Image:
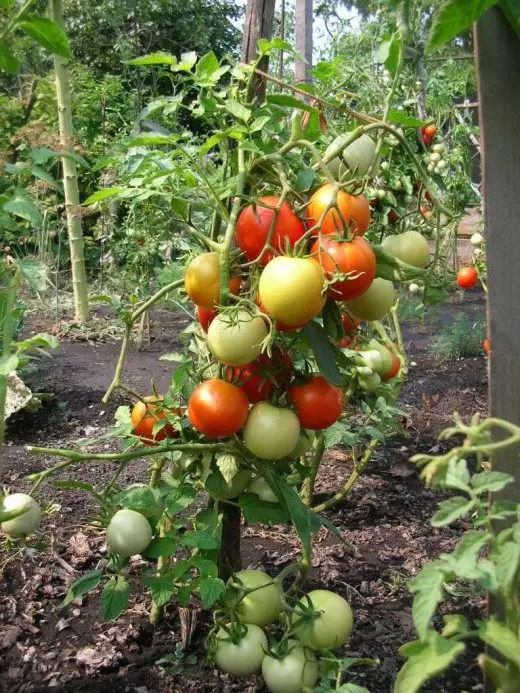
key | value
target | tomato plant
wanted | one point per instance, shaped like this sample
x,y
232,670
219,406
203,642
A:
x,y
262,377
243,657
293,672
128,533
146,417
217,409
354,259
334,212
318,404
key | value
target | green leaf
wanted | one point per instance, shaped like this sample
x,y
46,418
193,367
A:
x,y
78,485
304,180
391,268
427,588
211,589
161,586
102,194
457,475
8,63
114,597
153,59
265,46
454,624
259,511
161,546
425,660
490,481
42,340
8,364
401,118
300,513
259,123
42,174
199,540
289,102
186,62
332,321
324,352
25,208
34,274
228,466
498,635
454,17
139,498
451,509
511,9
207,64
507,564
47,33
238,110
83,585
180,499
392,50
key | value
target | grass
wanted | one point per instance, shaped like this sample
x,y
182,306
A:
x,y
462,339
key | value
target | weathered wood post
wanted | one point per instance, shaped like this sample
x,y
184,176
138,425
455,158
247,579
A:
x,y
258,23
303,40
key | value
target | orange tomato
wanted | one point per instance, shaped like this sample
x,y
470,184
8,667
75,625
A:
x,y
354,257
486,346
217,408
145,416
352,212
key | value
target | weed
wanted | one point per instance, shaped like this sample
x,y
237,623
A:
x,y
461,339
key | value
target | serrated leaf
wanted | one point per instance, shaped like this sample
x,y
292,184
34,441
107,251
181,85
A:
x,y
304,180
199,540
180,499
103,194
334,434
256,510
452,18
324,352
207,64
238,110
8,62
25,208
427,588
507,563
161,587
78,485
47,33
161,546
498,635
454,624
83,585
42,340
42,174
451,509
457,475
211,589
289,102
428,659
153,59
228,467
401,118
34,273
259,123
490,481
139,498
114,597
265,45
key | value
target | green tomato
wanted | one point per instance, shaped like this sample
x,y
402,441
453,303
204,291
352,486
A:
x,y
262,489
236,340
262,606
243,658
128,533
386,357
370,381
295,672
476,239
271,432
375,302
357,157
410,247
238,484
373,360
25,523
333,625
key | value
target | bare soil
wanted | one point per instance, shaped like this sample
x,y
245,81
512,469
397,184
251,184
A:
x,y
384,524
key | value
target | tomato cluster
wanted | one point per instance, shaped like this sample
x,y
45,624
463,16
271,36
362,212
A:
x,y
320,620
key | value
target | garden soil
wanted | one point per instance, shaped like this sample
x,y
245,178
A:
x,y
384,525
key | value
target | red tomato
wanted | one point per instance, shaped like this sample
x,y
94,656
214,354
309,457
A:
x,y
218,409
486,346
395,368
262,377
352,212
318,404
354,257
145,416
205,317
254,223
467,277
350,326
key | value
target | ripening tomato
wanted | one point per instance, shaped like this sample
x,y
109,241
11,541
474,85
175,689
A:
x,y
333,625
390,363
291,289
144,417
375,302
467,277
280,326
236,339
217,409
205,317
202,281
355,258
395,368
262,377
351,212
254,224
318,403
486,346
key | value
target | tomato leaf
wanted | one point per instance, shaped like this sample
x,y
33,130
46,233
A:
x,y
324,352
47,33
8,62
490,481
401,118
140,499
454,17
501,639
199,540
228,467
161,546
83,585
211,589
451,509
427,588
289,102
180,499
256,510
161,587
114,597
332,321
426,660
304,180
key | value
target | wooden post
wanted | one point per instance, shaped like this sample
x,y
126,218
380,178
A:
x,y
498,64
303,40
258,24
